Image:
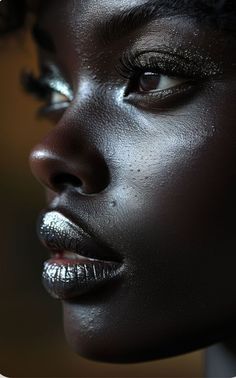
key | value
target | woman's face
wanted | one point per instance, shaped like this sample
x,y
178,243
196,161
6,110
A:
x,y
142,156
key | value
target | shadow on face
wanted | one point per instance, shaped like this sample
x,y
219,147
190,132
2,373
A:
x,y
141,158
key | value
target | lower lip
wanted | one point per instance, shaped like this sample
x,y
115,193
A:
x,y
70,278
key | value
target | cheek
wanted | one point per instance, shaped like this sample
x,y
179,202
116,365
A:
x,y
172,219
180,187
177,173
177,219
175,204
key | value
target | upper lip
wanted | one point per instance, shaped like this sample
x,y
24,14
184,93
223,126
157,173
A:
x,y
58,233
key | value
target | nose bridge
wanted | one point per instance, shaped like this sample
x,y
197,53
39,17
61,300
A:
x,y
71,155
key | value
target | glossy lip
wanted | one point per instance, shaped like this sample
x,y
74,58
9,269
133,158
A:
x,y
78,264
58,233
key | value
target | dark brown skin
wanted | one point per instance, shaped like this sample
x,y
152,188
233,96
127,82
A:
x,y
154,179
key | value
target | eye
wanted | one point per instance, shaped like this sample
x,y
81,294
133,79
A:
x,y
164,78
50,88
155,75
57,98
58,91
151,82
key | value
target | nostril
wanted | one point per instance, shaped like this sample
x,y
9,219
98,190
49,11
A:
x,y
62,180
60,170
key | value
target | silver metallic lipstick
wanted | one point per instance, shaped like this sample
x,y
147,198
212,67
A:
x,y
78,264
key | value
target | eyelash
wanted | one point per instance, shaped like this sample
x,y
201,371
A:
x,y
40,88
188,66
131,66
188,71
43,87
37,87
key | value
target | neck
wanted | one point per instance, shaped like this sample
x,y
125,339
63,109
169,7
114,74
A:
x,y
220,360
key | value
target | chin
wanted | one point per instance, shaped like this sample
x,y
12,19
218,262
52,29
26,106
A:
x,y
92,334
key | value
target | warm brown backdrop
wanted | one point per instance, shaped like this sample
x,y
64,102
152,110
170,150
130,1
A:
x,y
31,337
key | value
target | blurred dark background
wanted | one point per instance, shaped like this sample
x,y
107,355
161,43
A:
x,y
31,336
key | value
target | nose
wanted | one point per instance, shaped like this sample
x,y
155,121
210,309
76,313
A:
x,y
65,159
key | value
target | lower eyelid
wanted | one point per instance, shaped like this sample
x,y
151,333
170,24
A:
x,y
161,99
180,86
50,110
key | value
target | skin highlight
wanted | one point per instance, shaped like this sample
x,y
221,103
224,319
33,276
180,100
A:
x,y
150,172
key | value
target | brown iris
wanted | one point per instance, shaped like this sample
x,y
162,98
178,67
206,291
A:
x,y
149,81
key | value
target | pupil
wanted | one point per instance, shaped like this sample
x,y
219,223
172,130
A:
x,y
149,81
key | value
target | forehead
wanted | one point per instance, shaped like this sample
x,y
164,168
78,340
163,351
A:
x,y
97,8
56,16
92,13
80,28
106,8
79,21
200,8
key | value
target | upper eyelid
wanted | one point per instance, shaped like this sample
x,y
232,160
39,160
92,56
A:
x,y
42,88
45,83
60,86
167,61
52,76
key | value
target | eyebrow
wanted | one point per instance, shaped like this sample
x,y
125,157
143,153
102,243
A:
x,y
43,39
140,15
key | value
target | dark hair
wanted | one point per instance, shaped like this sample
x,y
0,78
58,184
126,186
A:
x,y
223,12
12,15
